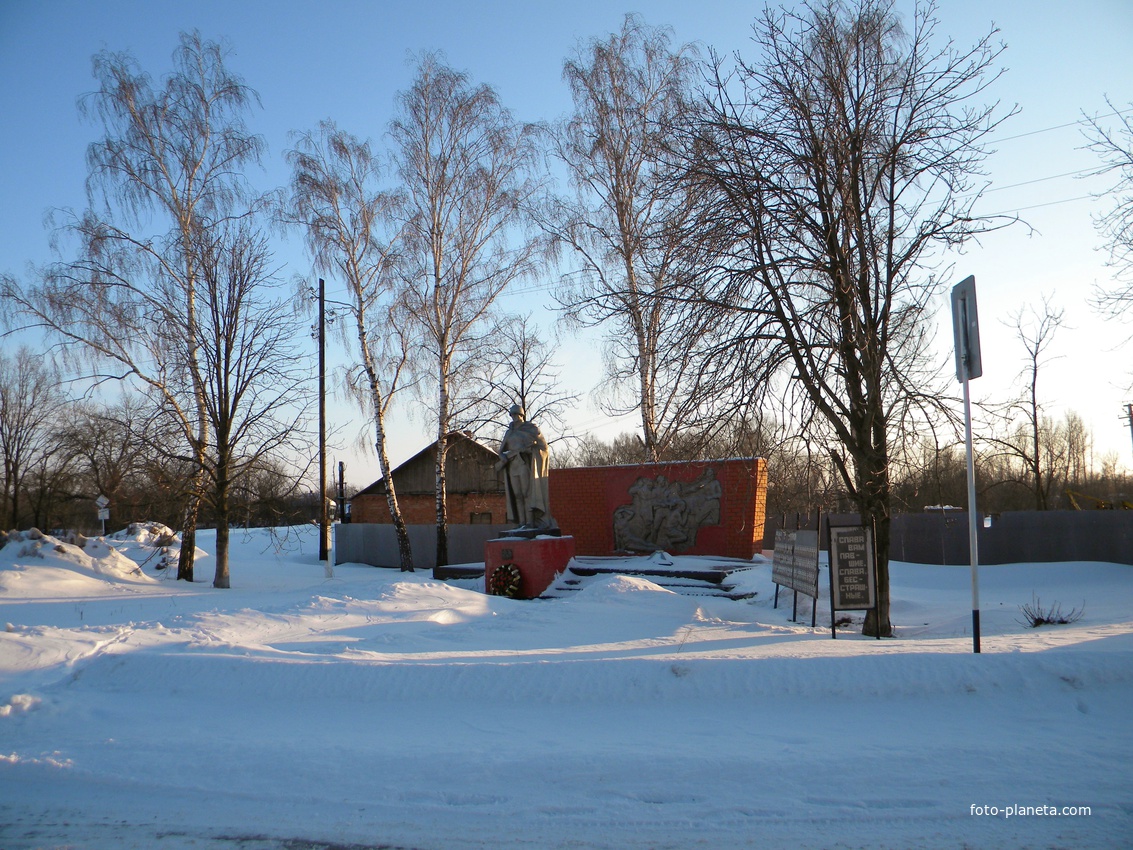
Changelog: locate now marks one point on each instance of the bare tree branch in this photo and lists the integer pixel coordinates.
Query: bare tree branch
(465, 166)
(336, 196)
(831, 174)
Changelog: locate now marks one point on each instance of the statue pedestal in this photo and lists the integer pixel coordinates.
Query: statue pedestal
(537, 562)
(527, 533)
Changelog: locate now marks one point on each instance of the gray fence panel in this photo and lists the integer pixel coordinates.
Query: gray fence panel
(376, 544)
(926, 538)
(936, 537)
(1014, 537)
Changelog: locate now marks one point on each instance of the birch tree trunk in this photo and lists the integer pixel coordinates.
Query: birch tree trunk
(465, 168)
(337, 199)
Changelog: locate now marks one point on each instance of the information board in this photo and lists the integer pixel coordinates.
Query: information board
(783, 561)
(852, 585)
(795, 564)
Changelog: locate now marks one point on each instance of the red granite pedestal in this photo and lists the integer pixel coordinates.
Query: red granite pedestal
(538, 561)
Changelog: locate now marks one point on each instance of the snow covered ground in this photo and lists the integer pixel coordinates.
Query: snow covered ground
(379, 709)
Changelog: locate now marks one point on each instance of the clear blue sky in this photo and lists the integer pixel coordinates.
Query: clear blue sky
(346, 60)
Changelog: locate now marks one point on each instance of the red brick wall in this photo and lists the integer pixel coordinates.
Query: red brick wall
(583, 501)
(421, 509)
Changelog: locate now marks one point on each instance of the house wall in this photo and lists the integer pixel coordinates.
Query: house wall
(421, 509)
(469, 468)
(473, 486)
(585, 500)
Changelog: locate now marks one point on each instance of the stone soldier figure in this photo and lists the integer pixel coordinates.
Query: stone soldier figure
(524, 457)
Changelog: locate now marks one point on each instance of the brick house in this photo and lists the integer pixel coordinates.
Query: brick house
(474, 490)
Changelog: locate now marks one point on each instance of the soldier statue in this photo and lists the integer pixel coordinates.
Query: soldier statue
(524, 458)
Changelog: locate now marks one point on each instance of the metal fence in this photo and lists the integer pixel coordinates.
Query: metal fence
(376, 543)
(933, 537)
(941, 537)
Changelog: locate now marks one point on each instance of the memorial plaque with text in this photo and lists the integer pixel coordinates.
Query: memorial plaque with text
(851, 568)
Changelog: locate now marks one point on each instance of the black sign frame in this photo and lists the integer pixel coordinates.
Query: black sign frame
(853, 570)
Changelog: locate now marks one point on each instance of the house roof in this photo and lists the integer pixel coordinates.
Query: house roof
(455, 438)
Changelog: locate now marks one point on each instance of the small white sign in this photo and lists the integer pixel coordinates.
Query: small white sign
(104, 513)
(102, 502)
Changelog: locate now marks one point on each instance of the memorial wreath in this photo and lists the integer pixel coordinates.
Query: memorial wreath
(504, 581)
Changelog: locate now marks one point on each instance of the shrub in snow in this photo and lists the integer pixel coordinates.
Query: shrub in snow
(1035, 615)
(154, 534)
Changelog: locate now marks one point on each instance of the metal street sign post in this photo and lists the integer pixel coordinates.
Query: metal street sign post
(103, 505)
(969, 365)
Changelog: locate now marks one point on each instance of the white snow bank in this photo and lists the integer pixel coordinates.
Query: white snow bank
(386, 709)
(32, 561)
(19, 703)
(618, 587)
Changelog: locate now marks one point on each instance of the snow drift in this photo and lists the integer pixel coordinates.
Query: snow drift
(381, 709)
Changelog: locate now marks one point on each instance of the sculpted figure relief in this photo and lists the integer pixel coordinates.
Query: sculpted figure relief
(524, 457)
(666, 515)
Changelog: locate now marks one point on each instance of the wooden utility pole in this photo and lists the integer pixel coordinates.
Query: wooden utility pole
(324, 525)
(1129, 412)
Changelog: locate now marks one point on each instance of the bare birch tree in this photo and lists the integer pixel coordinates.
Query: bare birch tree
(834, 170)
(168, 170)
(1035, 444)
(522, 370)
(1114, 146)
(29, 402)
(465, 167)
(629, 90)
(336, 196)
(255, 388)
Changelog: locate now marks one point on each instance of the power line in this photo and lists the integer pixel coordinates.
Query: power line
(544, 287)
(1060, 126)
(530, 288)
(1047, 204)
(1041, 180)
